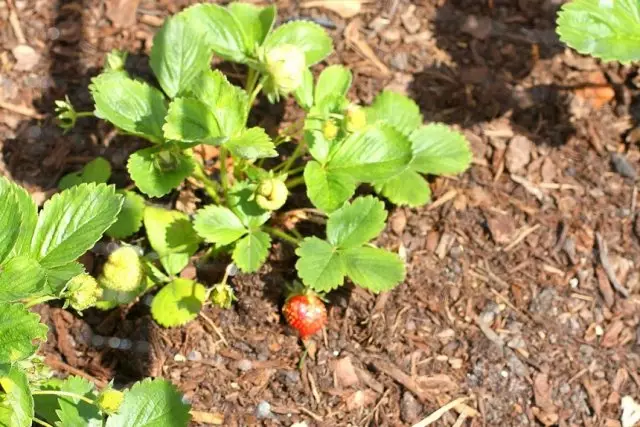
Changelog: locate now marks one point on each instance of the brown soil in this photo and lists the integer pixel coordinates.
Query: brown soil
(507, 300)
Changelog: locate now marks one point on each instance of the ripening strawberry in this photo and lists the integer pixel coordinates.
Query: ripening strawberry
(306, 313)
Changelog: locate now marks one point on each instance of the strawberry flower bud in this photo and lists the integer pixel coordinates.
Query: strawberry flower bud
(123, 270)
(109, 401)
(286, 64)
(271, 194)
(222, 295)
(355, 118)
(83, 292)
(330, 130)
(115, 60)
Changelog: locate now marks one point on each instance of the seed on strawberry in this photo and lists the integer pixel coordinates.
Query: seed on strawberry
(306, 313)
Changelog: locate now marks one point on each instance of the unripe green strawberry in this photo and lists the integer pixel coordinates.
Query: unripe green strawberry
(271, 194)
(123, 270)
(222, 295)
(330, 130)
(83, 292)
(286, 64)
(355, 118)
(109, 401)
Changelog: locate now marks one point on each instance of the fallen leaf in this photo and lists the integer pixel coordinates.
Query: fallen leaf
(344, 8)
(597, 92)
(345, 372)
(542, 393)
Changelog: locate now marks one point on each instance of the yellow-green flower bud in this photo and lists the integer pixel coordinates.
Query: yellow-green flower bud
(83, 292)
(286, 64)
(271, 194)
(222, 295)
(123, 270)
(115, 60)
(109, 401)
(356, 118)
(330, 130)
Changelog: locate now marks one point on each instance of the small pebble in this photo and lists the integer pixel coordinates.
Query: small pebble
(194, 356)
(245, 365)
(622, 166)
(263, 410)
(179, 358)
(114, 342)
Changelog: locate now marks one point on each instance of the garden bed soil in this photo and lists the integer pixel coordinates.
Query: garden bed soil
(508, 301)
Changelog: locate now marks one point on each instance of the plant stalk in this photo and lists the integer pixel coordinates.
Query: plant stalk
(41, 422)
(276, 232)
(224, 176)
(294, 182)
(64, 394)
(296, 153)
(210, 186)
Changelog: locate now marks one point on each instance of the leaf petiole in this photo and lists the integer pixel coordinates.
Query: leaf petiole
(41, 422)
(224, 177)
(294, 182)
(211, 187)
(282, 235)
(64, 394)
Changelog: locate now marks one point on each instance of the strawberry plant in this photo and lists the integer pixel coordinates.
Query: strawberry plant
(38, 262)
(338, 146)
(606, 29)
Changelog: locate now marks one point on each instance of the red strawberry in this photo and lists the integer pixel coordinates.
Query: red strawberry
(306, 313)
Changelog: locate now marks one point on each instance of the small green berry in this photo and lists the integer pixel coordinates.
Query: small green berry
(222, 295)
(271, 194)
(330, 130)
(109, 401)
(123, 270)
(83, 292)
(286, 64)
(355, 119)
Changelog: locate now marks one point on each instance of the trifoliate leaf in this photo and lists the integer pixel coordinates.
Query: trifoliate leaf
(156, 176)
(372, 268)
(29, 219)
(130, 216)
(10, 218)
(335, 80)
(178, 302)
(304, 93)
(71, 222)
(320, 265)
(188, 120)
(19, 329)
(16, 403)
(375, 153)
(172, 236)
(252, 144)
(73, 412)
(21, 277)
(228, 103)
(327, 190)
(356, 223)
(97, 170)
(243, 203)
(219, 225)
(130, 105)
(220, 29)
(178, 55)
(311, 38)
(439, 150)
(256, 22)
(407, 188)
(251, 251)
(58, 277)
(398, 110)
(151, 403)
(606, 29)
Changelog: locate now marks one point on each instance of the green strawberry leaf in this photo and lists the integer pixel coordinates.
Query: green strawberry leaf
(439, 150)
(320, 265)
(220, 29)
(153, 179)
(178, 303)
(178, 55)
(228, 103)
(29, 219)
(372, 268)
(189, 120)
(219, 225)
(151, 403)
(356, 223)
(606, 29)
(19, 328)
(97, 170)
(71, 222)
(399, 111)
(407, 188)
(172, 236)
(256, 22)
(327, 190)
(374, 154)
(243, 204)
(21, 277)
(304, 93)
(10, 218)
(131, 105)
(73, 412)
(335, 80)
(130, 216)
(58, 277)
(252, 144)
(16, 406)
(251, 251)
(319, 146)
(311, 38)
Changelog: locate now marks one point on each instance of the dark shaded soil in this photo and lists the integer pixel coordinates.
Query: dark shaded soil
(506, 302)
